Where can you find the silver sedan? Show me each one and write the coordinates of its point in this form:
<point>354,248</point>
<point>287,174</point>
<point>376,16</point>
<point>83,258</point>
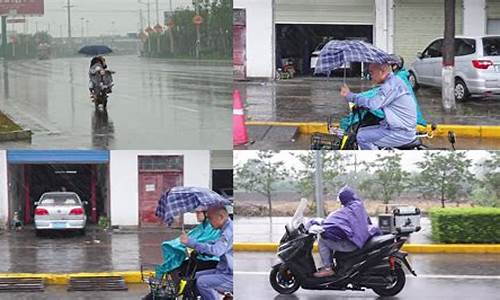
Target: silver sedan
<point>60,211</point>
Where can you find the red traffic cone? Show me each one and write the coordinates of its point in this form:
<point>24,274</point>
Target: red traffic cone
<point>240,134</point>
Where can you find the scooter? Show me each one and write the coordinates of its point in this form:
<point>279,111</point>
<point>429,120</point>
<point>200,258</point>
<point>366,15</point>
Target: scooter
<point>337,139</point>
<point>170,288</point>
<point>377,266</point>
<point>103,88</point>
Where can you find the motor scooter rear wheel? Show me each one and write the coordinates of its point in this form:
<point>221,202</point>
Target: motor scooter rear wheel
<point>396,286</point>
<point>283,281</point>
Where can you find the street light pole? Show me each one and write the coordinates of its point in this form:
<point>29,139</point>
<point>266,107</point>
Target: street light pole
<point>82,29</point>
<point>320,212</point>
<point>4,36</point>
<point>69,6</point>
<point>157,13</point>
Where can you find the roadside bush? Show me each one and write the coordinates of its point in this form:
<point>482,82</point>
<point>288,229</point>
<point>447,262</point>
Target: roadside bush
<point>466,225</point>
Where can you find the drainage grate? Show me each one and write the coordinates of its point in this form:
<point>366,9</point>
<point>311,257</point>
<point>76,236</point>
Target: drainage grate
<point>110,283</point>
<point>23,285</point>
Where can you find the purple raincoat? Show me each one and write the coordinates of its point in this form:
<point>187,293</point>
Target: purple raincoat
<point>351,222</point>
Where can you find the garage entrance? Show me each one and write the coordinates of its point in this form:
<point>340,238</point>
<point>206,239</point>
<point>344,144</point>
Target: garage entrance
<point>298,42</point>
<point>32,173</point>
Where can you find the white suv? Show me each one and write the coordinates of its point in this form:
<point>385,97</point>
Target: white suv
<point>477,66</point>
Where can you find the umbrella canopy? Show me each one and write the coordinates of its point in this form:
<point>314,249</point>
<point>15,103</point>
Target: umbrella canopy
<point>95,50</point>
<point>179,200</point>
<point>336,54</point>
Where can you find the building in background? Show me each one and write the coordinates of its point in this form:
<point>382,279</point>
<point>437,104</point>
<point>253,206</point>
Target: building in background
<point>277,29</point>
<point>123,185</point>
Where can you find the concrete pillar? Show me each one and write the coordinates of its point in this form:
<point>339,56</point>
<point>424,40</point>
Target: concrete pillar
<point>4,190</point>
<point>474,17</point>
<point>384,25</point>
<point>259,36</point>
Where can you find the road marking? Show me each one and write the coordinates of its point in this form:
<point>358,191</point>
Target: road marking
<point>425,276</point>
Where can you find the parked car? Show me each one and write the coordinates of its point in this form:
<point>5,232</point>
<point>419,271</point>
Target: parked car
<point>477,66</point>
<point>60,211</point>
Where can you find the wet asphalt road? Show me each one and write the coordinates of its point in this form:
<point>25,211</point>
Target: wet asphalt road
<point>310,99</point>
<point>67,252</point>
<point>155,104</point>
<point>440,277</point>
<point>135,291</point>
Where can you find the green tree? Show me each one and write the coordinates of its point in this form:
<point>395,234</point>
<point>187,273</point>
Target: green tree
<point>487,192</point>
<point>260,175</point>
<point>389,179</point>
<point>445,175</point>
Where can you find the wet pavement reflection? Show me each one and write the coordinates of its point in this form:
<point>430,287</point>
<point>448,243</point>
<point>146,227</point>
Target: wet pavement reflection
<point>67,252</point>
<point>155,104</point>
<point>310,99</point>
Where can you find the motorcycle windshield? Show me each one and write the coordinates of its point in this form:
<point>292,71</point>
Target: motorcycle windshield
<point>298,217</point>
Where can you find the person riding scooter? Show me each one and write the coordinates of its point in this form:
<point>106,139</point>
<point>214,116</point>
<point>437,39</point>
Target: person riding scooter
<point>398,127</point>
<point>212,282</point>
<point>99,73</point>
<point>344,230</point>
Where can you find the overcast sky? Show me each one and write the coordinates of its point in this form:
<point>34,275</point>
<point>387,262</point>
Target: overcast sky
<point>100,13</point>
<point>409,158</point>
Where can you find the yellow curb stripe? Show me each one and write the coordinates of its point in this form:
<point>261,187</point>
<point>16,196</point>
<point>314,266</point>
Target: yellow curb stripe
<point>441,130</point>
<point>63,279</point>
<point>411,248</point>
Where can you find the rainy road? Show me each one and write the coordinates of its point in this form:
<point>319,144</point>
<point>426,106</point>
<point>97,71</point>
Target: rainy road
<point>308,99</point>
<point>156,104</point>
<point>67,252</point>
<point>441,276</point>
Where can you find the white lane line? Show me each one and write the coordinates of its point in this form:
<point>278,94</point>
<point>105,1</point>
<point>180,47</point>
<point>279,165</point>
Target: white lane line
<point>426,276</point>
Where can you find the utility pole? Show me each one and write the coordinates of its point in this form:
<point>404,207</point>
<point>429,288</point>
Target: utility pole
<point>4,36</point>
<point>141,20</point>
<point>69,6</point>
<point>448,71</point>
<point>82,29</point>
<point>157,13</point>
<point>87,27</point>
<point>198,42</point>
<point>320,211</point>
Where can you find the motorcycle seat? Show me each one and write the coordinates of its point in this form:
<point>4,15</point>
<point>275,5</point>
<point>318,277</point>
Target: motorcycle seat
<point>411,145</point>
<point>373,243</point>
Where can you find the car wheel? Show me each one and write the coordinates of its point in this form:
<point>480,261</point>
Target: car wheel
<point>413,81</point>
<point>82,231</point>
<point>38,232</point>
<point>461,91</point>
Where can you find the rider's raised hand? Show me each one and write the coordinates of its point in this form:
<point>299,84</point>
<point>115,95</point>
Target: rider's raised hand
<point>344,90</point>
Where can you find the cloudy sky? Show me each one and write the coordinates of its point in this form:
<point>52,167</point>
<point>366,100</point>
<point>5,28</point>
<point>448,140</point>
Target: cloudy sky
<point>104,16</point>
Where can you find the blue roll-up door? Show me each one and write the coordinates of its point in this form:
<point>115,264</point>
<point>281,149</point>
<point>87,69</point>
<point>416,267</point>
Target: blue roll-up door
<point>57,156</point>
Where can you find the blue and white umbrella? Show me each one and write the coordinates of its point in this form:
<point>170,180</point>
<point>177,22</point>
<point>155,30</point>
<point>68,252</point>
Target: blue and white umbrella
<point>180,200</point>
<point>336,54</point>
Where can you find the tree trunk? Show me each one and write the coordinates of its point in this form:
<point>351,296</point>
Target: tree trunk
<point>448,77</point>
<point>269,203</point>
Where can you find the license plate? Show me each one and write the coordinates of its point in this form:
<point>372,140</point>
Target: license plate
<point>497,68</point>
<point>58,225</point>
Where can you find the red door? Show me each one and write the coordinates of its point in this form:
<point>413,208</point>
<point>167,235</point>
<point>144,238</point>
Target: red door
<point>152,184</point>
<point>239,44</point>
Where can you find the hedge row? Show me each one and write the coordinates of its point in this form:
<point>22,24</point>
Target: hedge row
<point>466,225</point>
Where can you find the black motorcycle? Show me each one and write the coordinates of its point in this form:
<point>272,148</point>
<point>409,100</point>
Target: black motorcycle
<point>347,140</point>
<point>377,266</point>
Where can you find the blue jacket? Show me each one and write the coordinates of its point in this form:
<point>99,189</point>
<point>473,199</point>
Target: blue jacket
<point>372,93</point>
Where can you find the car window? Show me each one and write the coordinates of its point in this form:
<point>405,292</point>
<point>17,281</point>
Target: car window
<point>464,47</point>
<point>59,200</point>
<point>434,49</point>
<point>491,46</point>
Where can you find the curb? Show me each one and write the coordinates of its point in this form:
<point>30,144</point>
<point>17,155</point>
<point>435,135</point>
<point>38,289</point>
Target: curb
<point>63,279</point>
<point>410,248</point>
<point>18,135</point>
<point>476,131</point>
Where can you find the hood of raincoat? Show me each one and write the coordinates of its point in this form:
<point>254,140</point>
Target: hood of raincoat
<point>351,222</point>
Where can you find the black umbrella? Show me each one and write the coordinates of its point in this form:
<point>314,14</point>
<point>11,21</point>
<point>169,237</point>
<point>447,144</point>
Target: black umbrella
<point>95,50</point>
